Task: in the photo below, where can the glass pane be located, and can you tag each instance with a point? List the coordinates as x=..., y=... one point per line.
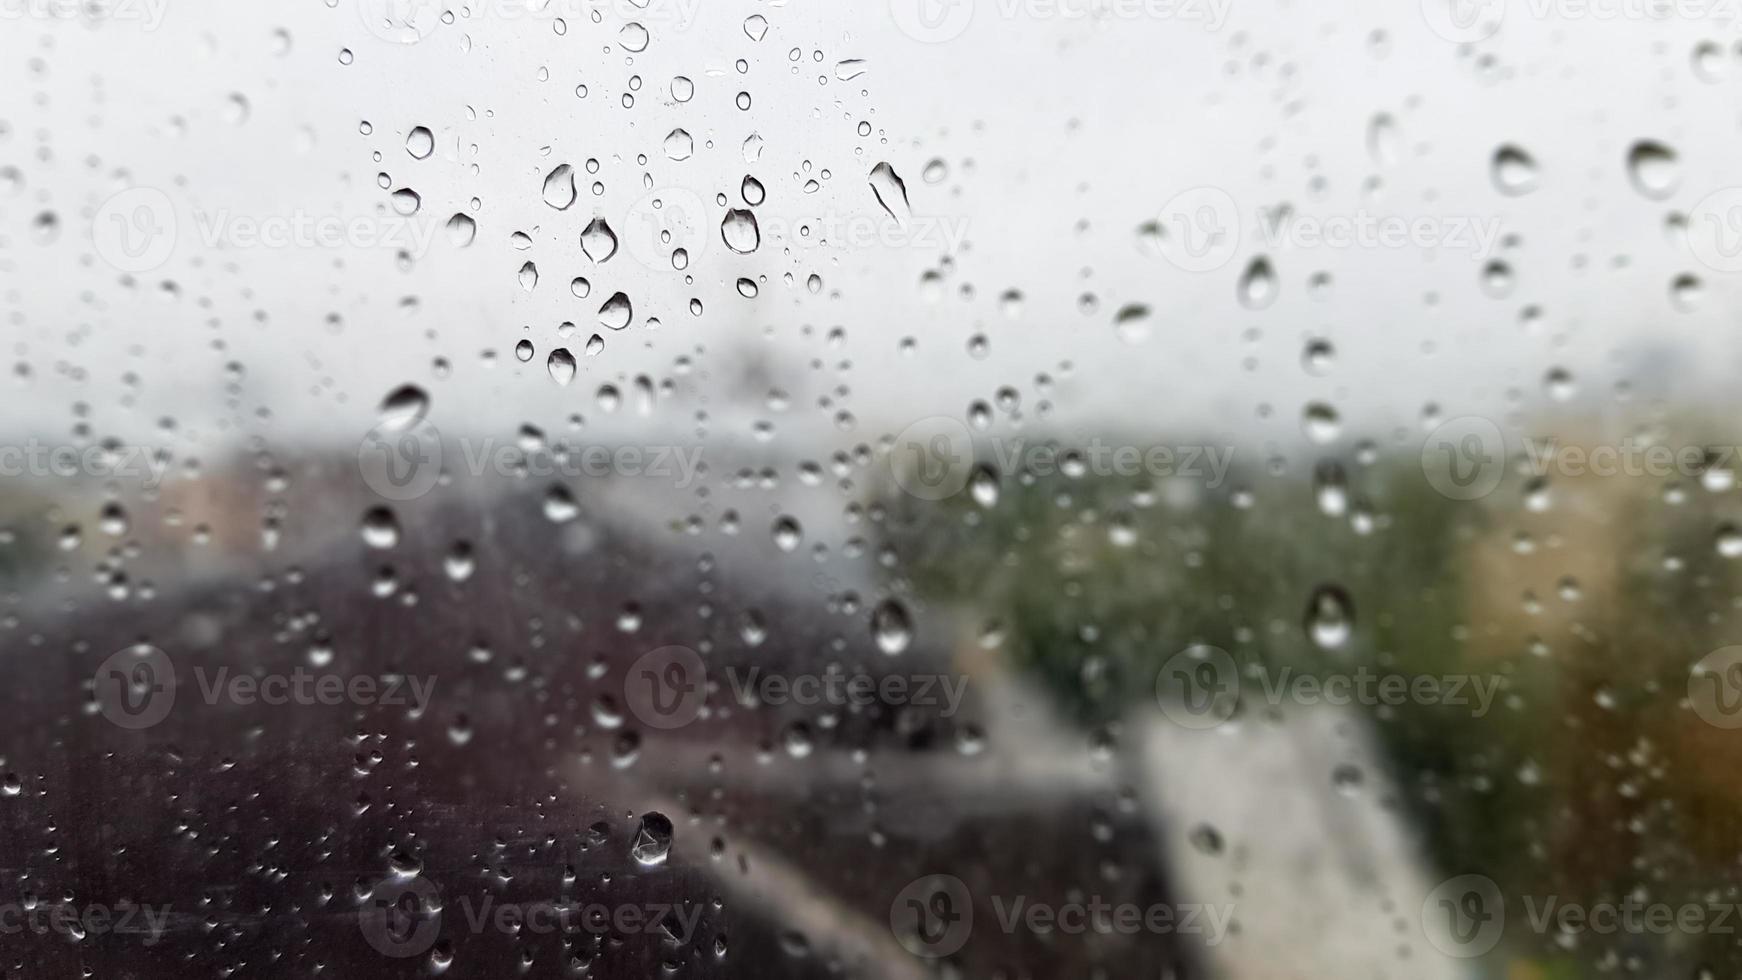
x=965, y=488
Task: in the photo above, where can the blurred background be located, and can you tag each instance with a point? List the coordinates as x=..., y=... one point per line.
x=968, y=488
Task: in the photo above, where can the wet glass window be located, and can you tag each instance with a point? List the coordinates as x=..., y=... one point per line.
x=1183, y=489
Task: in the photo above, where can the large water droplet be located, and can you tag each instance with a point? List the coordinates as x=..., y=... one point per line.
x=892, y=627
x=1653, y=169
x=740, y=231
x=559, y=187
x=1514, y=171
x=599, y=241
x=891, y=191
x=1257, y=288
x=617, y=312
x=1330, y=617
x=561, y=365
x=404, y=407
x=420, y=142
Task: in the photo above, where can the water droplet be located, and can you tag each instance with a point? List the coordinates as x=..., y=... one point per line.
x=1654, y=169
x=756, y=27
x=740, y=231
x=1514, y=171
x=1330, y=617
x=462, y=230
x=404, y=407
x=679, y=145
x=1383, y=140
x=633, y=37
x=420, y=143
x=1321, y=423
x=599, y=241
x=891, y=191
x=559, y=187
x=1132, y=323
x=1257, y=288
x=1729, y=541
x=652, y=840
x=380, y=528
x=788, y=535
x=892, y=627
x=560, y=506
x=561, y=365
x=616, y=313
